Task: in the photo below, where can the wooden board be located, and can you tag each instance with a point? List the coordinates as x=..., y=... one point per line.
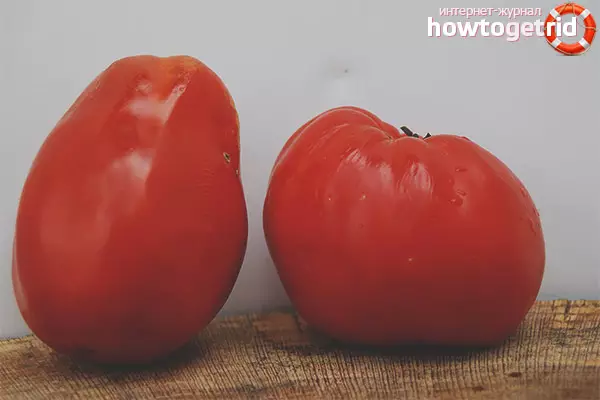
x=555, y=355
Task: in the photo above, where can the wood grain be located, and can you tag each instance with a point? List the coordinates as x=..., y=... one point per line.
x=555, y=355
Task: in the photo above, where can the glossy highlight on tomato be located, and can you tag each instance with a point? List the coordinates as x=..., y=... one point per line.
x=383, y=237
x=132, y=224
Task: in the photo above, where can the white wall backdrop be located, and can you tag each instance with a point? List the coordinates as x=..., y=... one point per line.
x=284, y=62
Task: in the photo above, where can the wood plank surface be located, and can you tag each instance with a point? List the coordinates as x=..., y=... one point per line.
x=555, y=355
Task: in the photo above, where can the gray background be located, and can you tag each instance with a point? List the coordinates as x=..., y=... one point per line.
x=284, y=62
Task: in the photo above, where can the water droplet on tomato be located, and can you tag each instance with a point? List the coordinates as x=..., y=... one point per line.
x=456, y=201
x=461, y=193
x=533, y=226
x=460, y=169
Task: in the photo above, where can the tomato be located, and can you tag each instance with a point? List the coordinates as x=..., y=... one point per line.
x=132, y=224
x=385, y=238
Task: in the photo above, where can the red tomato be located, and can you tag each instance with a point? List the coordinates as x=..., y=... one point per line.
x=132, y=224
x=387, y=238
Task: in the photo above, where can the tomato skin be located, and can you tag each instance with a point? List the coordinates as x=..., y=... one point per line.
x=132, y=224
x=381, y=238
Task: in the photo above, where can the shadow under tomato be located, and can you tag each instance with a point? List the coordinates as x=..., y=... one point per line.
x=310, y=341
x=192, y=352
x=415, y=351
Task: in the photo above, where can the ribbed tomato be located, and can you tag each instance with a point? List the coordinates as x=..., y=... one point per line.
x=382, y=237
x=132, y=224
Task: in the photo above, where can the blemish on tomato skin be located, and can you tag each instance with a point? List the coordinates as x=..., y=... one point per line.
x=227, y=157
x=456, y=201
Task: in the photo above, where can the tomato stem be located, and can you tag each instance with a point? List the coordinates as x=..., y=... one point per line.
x=410, y=133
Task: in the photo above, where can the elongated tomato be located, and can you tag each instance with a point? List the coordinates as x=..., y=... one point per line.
x=382, y=237
x=132, y=224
